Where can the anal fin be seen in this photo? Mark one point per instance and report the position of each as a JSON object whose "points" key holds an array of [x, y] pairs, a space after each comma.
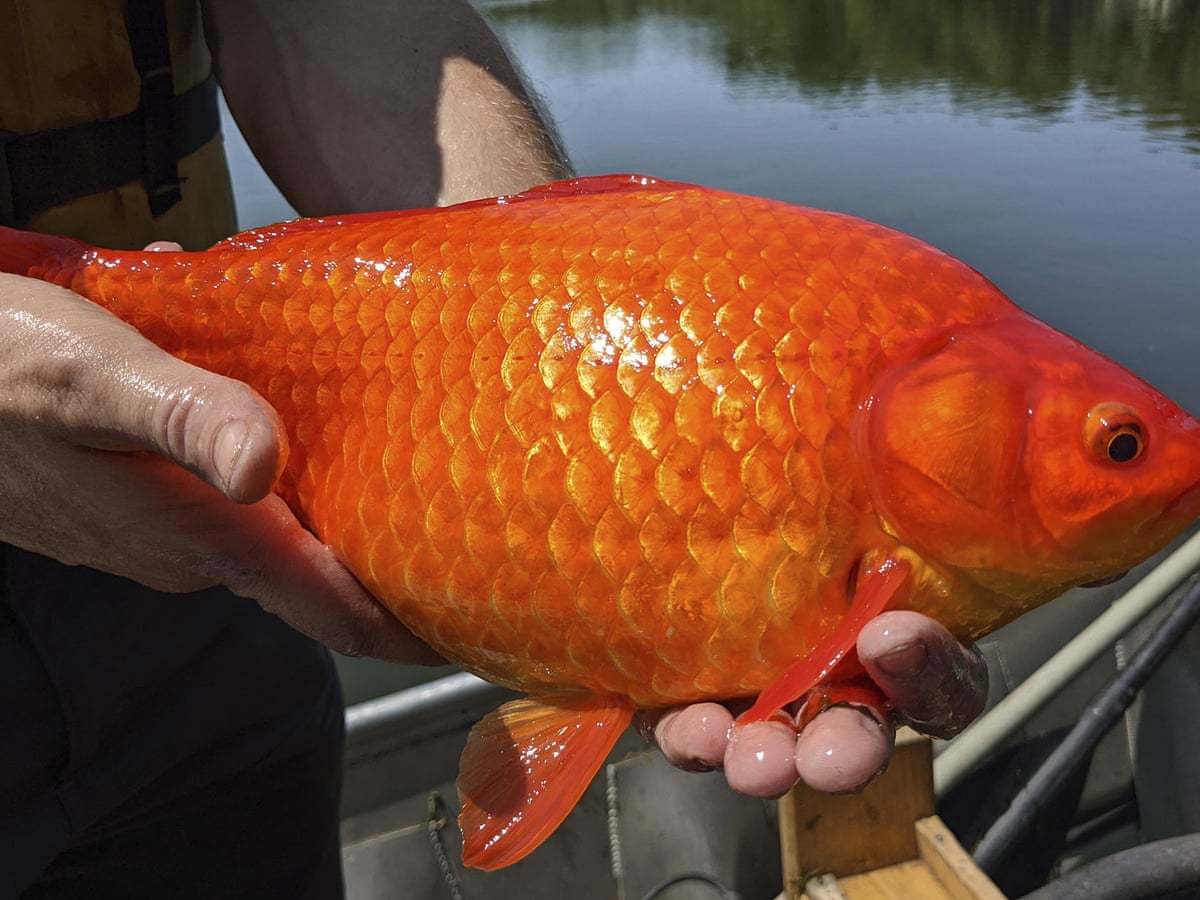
{"points": [[525, 767]]}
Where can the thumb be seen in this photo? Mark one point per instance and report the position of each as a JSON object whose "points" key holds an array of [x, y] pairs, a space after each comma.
{"points": [[87, 373], [935, 683], [215, 427]]}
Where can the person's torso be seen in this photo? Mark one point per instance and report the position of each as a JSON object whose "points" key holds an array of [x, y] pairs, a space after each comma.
{"points": [[112, 648], [64, 63]]}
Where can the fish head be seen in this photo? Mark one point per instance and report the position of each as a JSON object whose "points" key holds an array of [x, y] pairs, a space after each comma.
{"points": [[1110, 466], [1024, 463]]}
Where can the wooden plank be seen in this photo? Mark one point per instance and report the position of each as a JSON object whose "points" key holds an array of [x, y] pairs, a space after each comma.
{"points": [[910, 880], [944, 855], [849, 834], [884, 843], [944, 871]]}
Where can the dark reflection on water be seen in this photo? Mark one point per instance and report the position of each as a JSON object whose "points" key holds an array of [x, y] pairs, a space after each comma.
{"points": [[1054, 146], [1035, 53]]}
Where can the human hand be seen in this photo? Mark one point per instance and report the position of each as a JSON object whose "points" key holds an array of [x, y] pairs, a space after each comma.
{"points": [[116, 455], [935, 685]]}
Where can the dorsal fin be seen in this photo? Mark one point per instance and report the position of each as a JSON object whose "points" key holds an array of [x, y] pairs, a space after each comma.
{"points": [[525, 767], [592, 184], [257, 238]]}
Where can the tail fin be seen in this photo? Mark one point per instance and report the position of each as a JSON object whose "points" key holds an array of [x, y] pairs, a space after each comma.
{"points": [[23, 251]]}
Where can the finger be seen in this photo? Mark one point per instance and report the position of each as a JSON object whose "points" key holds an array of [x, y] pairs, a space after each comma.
{"points": [[693, 737], [936, 684], [212, 426], [169, 246], [215, 427], [293, 575], [760, 759], [162, 527], [843, 749], [103, 385]]}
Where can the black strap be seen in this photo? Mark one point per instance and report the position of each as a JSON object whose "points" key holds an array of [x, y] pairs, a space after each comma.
{"points": [[48, 168], [146, 22]]}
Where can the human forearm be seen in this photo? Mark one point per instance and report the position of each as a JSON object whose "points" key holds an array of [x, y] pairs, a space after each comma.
{"points": [[366, 105]]}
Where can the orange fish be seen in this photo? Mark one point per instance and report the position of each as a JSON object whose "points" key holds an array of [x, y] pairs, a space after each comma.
{"points": [[621, 443]]}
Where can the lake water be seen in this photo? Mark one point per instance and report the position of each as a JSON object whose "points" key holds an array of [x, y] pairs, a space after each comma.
{"points": [[1054, 146]]}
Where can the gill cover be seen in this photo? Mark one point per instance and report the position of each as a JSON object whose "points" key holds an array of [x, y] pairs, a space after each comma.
{"points": [[941, 437]]}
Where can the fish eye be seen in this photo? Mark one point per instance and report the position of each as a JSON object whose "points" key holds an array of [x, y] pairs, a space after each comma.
{"points": [[1115, 433], [1124, 447]]}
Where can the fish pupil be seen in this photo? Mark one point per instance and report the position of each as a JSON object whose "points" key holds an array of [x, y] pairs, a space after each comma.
{"points": [[1124, 447]]}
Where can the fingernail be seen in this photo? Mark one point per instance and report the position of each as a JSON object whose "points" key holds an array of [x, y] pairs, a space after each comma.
{"points": [[227, 450], [905, 661]]}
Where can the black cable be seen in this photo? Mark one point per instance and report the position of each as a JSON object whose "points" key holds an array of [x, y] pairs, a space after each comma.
{"points": [[1122, 814], [1103, 713], [1163, 870]]}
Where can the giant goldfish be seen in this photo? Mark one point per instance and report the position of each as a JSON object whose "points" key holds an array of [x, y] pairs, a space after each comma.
{"points": [[622, 444]]}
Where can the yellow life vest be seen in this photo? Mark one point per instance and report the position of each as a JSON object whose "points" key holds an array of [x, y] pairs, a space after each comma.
{"points": [[73, 91]]}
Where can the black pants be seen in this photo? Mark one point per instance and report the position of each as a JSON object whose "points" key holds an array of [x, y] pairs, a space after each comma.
{"points": [[161, 746]]}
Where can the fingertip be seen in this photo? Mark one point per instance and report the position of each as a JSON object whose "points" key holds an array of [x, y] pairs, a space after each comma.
{"points": [[760, 759], [374, 632], [247, 454], [842, 750], [900, 641], [393, 642], [693, 737], [291, 574], [935, 683], [215, 427]]}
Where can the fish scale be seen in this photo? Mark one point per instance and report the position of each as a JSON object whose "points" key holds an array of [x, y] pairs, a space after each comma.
{"points": [[623, 444]]}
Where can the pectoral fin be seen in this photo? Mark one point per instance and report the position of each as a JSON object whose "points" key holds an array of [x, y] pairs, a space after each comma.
{"points": [[525, 767], [876, 589]]}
